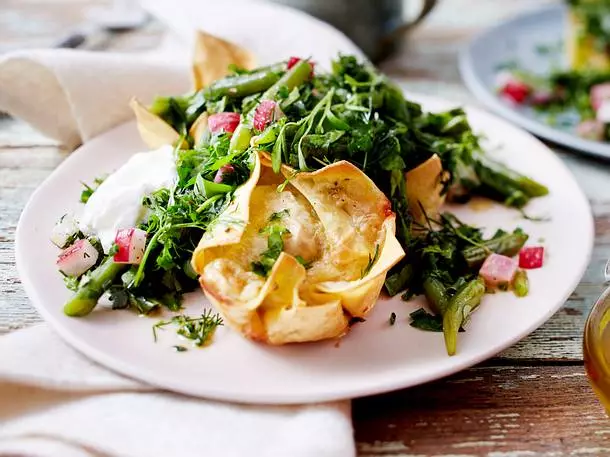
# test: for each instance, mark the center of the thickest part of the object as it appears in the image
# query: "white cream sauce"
(117, 203)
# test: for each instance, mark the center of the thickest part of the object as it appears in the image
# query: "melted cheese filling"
(330, 231)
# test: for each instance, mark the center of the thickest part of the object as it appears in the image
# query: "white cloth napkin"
(53, 401)
(56, 403)
(75, 95)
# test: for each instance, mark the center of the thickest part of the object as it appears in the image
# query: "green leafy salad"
(308, 119)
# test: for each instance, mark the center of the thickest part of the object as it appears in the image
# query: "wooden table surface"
(531, 400)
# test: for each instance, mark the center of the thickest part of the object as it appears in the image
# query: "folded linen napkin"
(53, 401)
(75, 95)
(56, 403)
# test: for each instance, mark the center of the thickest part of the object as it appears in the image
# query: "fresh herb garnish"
(449, 251)
(303, 262)
(275, 244)
(89, 190)
(113, 249)
(197, 329)
(392, 319)
(279, 215)
(423, 320)
(71, 282)
(119, 297)
(177, 218)
(372, 260)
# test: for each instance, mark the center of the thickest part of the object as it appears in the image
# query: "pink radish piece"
(516, 92)
(512, 88)
(598, 94)
(131, 243)
(591, 129)
(542, 97)
(603, 112)
(222, 172)
(498, 269)
(266, 113)
(64, 230)
(531, 257)
(223, 122)
(294, 60)
(78, 258)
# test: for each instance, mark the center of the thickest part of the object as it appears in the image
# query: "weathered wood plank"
(487, 411)
(39, 158)
(14, 133)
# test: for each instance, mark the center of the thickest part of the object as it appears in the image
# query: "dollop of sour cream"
(117, 202)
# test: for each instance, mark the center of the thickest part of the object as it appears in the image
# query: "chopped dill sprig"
(198, 329)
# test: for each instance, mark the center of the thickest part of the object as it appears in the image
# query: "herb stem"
(209, 202)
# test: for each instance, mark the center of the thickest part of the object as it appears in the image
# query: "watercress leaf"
(422, 320)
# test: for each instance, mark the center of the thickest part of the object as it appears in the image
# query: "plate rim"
(391, 384)
(475, 85)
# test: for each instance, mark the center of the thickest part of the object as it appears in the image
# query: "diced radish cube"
(222, 172)
(498, 269)
(531, 257)
(542, 97)
(131, 243)
(223, 122)
(266, 113)
(603, 112)
(78, 258)
(294, 60)
(512, 88)
(64, 230)
(591, 130)
(598, 94)
(516, 92)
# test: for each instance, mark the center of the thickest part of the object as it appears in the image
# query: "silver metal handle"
(71, 41)
(427, 7)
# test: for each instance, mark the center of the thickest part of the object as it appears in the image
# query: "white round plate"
(375, 357)
(520, 40)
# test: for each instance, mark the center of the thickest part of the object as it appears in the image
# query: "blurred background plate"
(533, 41)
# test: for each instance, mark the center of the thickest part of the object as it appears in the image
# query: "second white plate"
(375, 357)
(534, 41)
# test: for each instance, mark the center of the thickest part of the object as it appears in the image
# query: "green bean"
(515, 188)
(435, 292)
(521, 283)
(294, 77)
(464, 302)
(240, 140)
(87, 295)
(241, 85)
(508, 245)
(398, 281)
